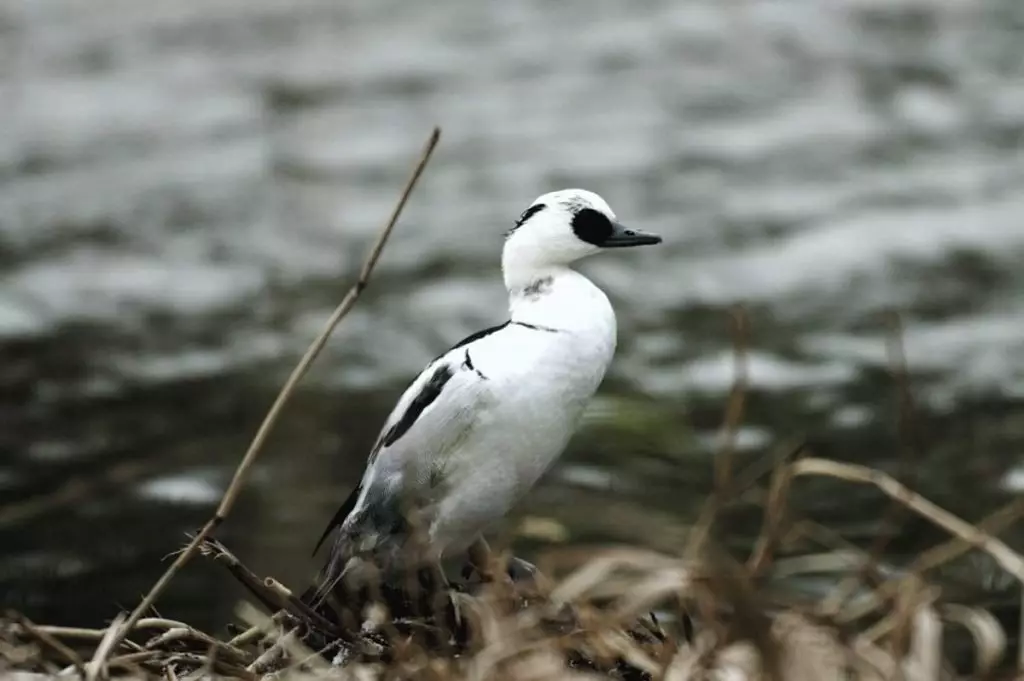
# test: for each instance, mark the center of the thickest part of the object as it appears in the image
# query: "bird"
(485, 420)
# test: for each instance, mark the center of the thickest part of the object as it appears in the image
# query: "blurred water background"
(187, 187)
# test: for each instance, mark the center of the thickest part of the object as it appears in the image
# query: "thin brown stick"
(911, 449)
(246, 637)
(248, 579)
(775, 512)
(731, 420)
(343, 308)
(131, 660)
(734, 405)
(72, 632)
(299, 652)
(48, 640)
(97, 667)
(993, 524)
(931, 558)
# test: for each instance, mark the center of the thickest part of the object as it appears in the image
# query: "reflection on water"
(185, 188)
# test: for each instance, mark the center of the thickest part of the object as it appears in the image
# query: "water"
(187, 188)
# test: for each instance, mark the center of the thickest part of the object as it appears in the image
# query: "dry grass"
(715, 621)
(624, 613)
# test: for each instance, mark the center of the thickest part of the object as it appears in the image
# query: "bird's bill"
(623, 237)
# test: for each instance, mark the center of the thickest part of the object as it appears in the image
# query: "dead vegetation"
(622, 613)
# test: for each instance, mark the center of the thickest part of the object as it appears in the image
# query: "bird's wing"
(431, 417)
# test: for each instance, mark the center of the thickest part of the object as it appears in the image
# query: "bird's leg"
(520, 570)
(481, 560)
(435, 598)
(432, 578)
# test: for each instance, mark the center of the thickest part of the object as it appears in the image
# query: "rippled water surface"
(187, 187)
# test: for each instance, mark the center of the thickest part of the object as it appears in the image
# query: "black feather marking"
(530, 212)
(428, 394)
(468, 363)
(478, 335)
(339, 517)
(537, 327)
(591, 226)
(537, 287)
(527, 214)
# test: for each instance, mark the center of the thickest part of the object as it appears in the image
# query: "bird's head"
(562, 227)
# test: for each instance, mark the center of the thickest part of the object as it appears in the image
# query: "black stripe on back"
(537, 327)
(478, 335)
(426, 397)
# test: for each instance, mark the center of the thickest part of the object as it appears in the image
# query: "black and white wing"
(430, 418)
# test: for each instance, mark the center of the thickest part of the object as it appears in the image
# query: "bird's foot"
(483, 564)
(520, 570)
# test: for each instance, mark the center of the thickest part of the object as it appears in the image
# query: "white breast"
(541, 369)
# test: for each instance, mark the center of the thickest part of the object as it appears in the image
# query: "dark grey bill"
(622, 237)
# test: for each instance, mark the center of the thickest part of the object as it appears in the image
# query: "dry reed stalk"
(234, 488)
(1007, 559)
(47, 639)
(775, 508)
(192, 634)
(989, 637)
(912, 449)
(936, 556)
(746, 480)
(97, 667)
(262, 664)
(280, 639)
(80, 633)
(731, 420)
(734, 404)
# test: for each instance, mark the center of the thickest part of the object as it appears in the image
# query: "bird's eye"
(592, 226)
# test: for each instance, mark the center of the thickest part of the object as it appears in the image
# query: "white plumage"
(485, 420)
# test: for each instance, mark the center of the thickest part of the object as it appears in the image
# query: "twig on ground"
(98, 665)
(47, 639)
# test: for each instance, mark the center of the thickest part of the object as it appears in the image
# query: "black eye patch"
(591, 226)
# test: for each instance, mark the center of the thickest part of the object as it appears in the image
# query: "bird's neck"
(557, 297)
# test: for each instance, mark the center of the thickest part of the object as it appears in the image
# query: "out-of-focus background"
(187, 187)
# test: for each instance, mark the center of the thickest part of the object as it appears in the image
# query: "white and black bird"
(486, 419)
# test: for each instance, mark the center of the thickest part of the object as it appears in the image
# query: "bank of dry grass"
(620, 613)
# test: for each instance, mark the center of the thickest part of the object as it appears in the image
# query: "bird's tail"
(355, 554)
(341, 561)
